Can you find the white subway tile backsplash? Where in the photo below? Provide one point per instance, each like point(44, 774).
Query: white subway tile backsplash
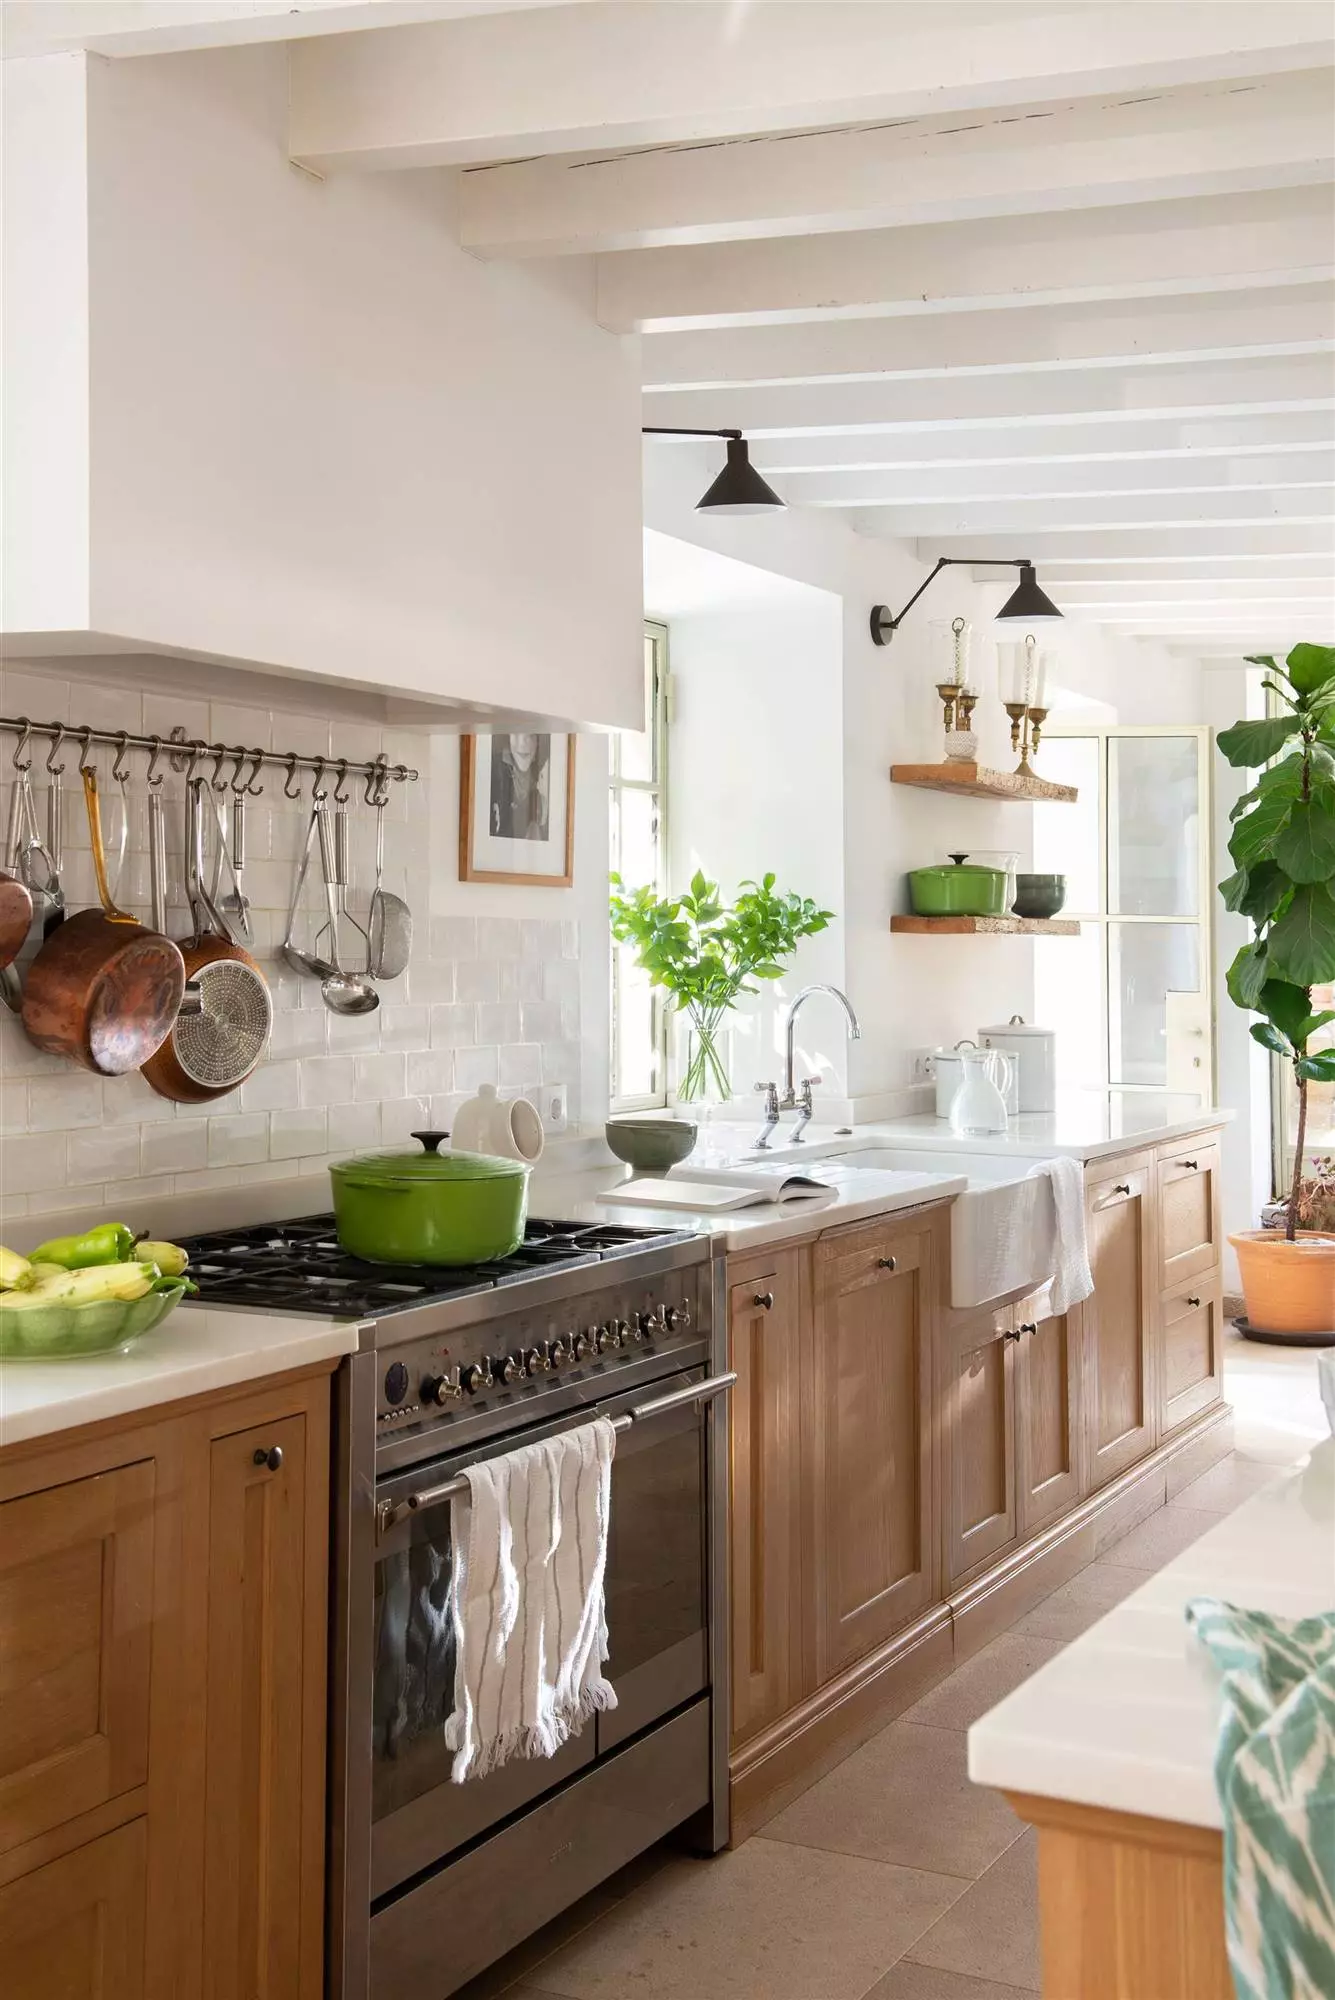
point(240, 1140)
point(486, 998)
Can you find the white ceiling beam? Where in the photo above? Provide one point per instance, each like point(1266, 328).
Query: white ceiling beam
point(616, 74)
point(1169, 569)
point(1022, 518)
point(1211, 326)
point(168, 27)
point(952, 486)
point(1182, 593)
point(1217, 540)
point(1294, 434)
point(1146, 249)
point(1108, 395)
point(1215, 139)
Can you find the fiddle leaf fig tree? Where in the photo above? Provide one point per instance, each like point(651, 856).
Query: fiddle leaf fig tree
point(1283, 842)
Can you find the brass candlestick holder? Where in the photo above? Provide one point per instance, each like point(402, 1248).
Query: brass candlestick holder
point(951, 694)
point(1026, 731)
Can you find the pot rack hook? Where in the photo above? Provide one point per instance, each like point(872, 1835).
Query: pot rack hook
point(155, 776)
point(252, 788)
point(377, 772)
point(22, 763)
point(220, 753)
point(194, 750)
point(57, 738)
point(292, 783)
point(85, 736)
point(239, 756)
point(341, 792)
point(319, 790)
point(120, 770)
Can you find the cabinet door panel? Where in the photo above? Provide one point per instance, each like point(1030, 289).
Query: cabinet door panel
point(1119, 1318)
point(1192, 1359)
point(1188, 1198)
point(766, 1615)
point(873, 1530)
point(1049, 1402)
point(76, 1601)
point(257, 1777)
point(979, 1410)
point(74, 1930)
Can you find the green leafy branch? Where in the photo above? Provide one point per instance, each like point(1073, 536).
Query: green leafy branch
point(705, 953)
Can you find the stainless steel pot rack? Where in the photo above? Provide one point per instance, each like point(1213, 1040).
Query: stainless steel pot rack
point(185, 752)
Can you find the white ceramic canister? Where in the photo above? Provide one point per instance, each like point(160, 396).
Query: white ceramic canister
point(948, 1070)
point(1035, 1052)
point(509, 1128)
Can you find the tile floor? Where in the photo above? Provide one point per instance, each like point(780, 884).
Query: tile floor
point(893, 1878)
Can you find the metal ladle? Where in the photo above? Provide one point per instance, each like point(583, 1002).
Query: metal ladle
point(342, 992)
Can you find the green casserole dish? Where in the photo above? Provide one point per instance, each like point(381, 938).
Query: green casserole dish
point(430, 1207)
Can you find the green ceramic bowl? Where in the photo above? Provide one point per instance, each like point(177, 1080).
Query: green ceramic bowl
point(430, 1207)
point(962, 890)
point(1039, 895)
point(62, 1333)
point(651, 1145)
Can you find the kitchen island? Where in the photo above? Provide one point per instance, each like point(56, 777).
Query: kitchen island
point(1108, 1751)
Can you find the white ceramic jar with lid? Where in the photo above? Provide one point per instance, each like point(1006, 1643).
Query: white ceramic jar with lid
point(1035, 1053)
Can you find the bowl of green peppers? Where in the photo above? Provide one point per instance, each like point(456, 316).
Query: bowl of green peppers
point(95, 1292)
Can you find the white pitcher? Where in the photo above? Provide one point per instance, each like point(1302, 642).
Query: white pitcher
point(509, 1128)
point(978, 1107)
point(950, 1074)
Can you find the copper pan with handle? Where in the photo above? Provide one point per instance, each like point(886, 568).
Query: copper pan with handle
point(215, 1044)
point(104, 989)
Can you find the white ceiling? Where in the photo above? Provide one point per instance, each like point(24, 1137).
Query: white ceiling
point(994, 277)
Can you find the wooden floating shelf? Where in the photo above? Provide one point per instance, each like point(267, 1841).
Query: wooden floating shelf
point(975, 781)
point(987, 926)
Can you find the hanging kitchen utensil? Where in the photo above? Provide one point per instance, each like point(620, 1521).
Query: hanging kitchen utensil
point(54, 913)
point(235, 903)
point(390, 922)
point(15, 896)
point(343, 992)
point(233, 908)
point(209, 1052)
point(104, 989)
point(343, 879)
point(303, 961)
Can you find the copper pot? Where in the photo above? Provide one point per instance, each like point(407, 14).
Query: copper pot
point(103, 990)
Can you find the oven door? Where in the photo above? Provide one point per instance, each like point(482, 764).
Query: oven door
point(656, 1587)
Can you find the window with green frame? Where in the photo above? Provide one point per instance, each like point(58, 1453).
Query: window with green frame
point(638, 846)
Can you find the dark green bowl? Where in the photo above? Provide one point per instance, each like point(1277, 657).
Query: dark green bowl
point(651, 1145)
point(1039, 895)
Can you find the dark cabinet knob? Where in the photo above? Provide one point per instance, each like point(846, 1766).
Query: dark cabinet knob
point(885, 1263)
point(1193, 1164)
point(1193, 1301)
point(273, 1457)
point(765, 1300)
point(1013, 1335)
point(1122, 1187)
point(1028, 1326)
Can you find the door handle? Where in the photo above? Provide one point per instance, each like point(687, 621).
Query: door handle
point(1193, 1301)
point(1193, 1164)
point(765, 1300)
point(885, 1263)
point(273, 1457)
point(1122, 1187)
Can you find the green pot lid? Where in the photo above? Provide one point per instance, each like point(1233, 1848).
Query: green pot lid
point(430, 1167)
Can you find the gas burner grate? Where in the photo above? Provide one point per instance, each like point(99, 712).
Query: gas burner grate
point(300, 1266)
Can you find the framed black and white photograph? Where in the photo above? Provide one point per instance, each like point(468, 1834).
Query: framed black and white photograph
point(517, 809)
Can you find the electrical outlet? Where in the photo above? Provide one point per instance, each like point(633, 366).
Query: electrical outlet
point(924, 1066)
point(554, 1107)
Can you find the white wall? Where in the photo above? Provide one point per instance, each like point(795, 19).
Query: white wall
point(320, 438)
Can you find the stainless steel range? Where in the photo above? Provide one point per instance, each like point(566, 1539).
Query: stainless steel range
point(432, 1881)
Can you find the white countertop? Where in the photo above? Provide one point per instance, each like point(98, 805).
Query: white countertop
point(855, 1193)
point(1126, 1717)
point(195, 1349)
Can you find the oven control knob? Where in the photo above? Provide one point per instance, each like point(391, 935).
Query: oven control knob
point(475, 1377)
point(505, 1369)
point(555, 1352)
point(619, 1332)
point(396, 1384)
point(647, 1324)
point(600, 1335)
point(535, 1361)
point(678, 1317)
point(441, 1388)
point(581, 1345)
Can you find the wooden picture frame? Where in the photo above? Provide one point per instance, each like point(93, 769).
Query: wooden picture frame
point(517, 809)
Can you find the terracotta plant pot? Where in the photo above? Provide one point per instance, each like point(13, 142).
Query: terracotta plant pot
point(1289, 1287)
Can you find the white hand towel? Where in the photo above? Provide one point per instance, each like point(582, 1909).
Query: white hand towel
point(530, 1553)
point(1072, 1279)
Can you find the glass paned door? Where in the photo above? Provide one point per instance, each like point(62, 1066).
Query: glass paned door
point(1131, 997)
point(638, 848)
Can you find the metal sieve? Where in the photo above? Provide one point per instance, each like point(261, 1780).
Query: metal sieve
point(220, 1045)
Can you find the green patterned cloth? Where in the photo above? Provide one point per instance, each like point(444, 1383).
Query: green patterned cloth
point(1275, 1772)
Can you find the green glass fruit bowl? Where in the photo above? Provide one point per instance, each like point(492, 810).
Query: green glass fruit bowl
point(64, 1333)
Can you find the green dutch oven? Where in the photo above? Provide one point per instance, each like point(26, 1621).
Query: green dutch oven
point(964, 890)
point(430, 1207)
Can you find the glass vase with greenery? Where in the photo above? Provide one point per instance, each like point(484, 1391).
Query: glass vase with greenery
point(1283, 842)
point(705, 954)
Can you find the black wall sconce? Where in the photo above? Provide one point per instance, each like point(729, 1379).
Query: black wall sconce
point(1026, 601)
point(739, 488)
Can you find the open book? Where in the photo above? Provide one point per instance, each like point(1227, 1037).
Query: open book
point(719, 1189)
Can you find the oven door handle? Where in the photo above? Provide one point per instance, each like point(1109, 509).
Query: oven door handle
point(389, 1512)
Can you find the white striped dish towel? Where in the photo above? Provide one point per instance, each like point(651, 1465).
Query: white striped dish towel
point(530, 1555)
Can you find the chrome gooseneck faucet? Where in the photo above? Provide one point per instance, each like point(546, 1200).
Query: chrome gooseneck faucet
point(792, 1100)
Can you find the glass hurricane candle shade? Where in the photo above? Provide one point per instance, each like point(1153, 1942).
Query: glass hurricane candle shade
point(950, 651)
point(1022, 671)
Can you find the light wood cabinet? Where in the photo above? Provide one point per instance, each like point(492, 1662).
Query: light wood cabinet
point(767, 1622)
point(1120, 1316)
point(74, 1929)
point(1189, 1229)
point(976, 1399)
point(872, 1513)
point(1191, 1349)
point(163, 1668)
point(1050, 1473)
